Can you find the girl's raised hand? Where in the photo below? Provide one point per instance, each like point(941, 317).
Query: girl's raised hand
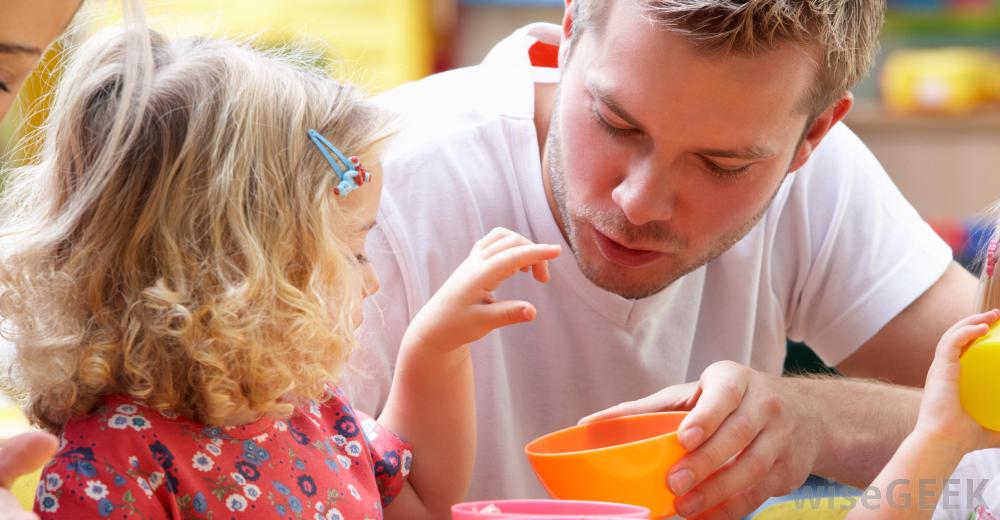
point(464, 309)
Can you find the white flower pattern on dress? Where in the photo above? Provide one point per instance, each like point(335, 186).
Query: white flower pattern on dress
point(53, 482)
point(251, 491)
point(236, 502)
point(353, 448)
point(124, 460)
point(202, 462)
point(119, 421)
point(96, 489)
point(144, 486)
point(139, 423)
point(48, 503)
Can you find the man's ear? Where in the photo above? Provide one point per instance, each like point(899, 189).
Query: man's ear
point(567, 33)
point(820, 127)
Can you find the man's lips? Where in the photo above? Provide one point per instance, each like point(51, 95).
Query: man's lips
point(622, 255)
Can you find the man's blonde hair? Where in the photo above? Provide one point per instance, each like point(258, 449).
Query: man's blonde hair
point(844, 32)
point(178, 240)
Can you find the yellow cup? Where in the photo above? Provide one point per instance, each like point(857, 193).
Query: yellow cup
point(624, 460)
point(979, 383)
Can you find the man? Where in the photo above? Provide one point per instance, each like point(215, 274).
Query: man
point(27, 28)
point(689, 154)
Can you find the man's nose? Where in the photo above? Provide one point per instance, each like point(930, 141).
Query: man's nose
point(646, 193)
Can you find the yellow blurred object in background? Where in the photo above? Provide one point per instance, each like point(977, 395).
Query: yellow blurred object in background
point(375, 44)
point(949, 80)
point(390, 40)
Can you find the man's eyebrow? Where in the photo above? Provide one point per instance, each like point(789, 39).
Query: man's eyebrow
point(13, 48)
point(607, 100)
point(750, 153)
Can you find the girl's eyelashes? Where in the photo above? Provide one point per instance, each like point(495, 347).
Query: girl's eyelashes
point(361, 258)
point(4, 87)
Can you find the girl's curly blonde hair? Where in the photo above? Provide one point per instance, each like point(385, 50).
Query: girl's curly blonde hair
point(177, 240)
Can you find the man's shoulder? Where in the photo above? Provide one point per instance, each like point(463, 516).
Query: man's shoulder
point(841, 166)
point(453, 102)
point(840, 156)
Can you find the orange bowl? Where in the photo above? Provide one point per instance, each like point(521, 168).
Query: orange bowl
point(625, 460)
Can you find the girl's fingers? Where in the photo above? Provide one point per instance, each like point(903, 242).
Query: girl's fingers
point(988, 317)
point(540, 271)
point(507, 312)
point(952, 343)
point(25, 453)
point(502, 266)
point(491, 237)
point(502, 244)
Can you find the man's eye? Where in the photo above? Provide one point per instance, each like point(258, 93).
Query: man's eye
point(610, 129)
point(724, 171)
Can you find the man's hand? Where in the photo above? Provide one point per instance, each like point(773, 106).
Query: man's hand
point(21, 455)
point(748, 438)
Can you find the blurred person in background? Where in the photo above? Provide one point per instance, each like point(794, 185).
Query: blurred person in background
point(27, 29)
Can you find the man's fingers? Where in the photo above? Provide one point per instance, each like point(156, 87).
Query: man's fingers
point(678, 397)
point(724, 480)
point(722, 385)
point(25, 453)
point(702, 466)
point(746, 502)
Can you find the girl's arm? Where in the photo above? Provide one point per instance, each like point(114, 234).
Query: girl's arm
point(432, 400)
point(910, 486)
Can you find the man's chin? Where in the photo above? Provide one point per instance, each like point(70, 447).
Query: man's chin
point(634, 284)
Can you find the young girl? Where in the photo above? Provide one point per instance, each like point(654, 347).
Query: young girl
point(182, 272)
point(921, 480)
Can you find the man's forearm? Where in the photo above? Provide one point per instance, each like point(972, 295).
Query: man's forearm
point(861, 423)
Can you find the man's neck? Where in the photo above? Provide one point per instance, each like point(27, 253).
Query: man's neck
point(545, 98)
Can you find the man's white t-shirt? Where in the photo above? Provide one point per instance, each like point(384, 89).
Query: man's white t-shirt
point(838, 254)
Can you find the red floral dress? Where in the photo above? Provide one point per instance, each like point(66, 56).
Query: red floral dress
point(127, 461)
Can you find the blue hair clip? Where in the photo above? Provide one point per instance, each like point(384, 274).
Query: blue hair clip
point(352, 175)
